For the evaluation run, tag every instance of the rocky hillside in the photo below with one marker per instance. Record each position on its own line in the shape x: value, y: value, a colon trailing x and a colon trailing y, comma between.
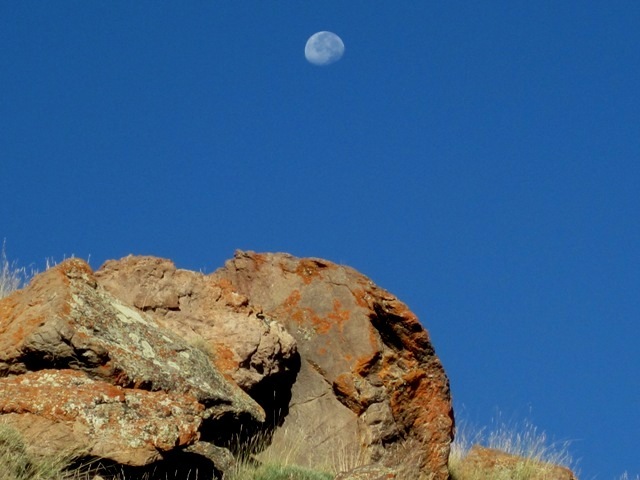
x: 141, y: 367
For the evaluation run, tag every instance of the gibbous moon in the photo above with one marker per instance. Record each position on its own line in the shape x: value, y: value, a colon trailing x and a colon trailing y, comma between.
x: 324, y: 48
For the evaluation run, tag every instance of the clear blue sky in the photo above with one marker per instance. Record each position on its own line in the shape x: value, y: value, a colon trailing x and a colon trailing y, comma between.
x: 478, y: 159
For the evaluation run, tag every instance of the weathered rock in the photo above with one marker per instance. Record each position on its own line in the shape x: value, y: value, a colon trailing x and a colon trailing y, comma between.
x: 489, y: 463
x: 62, y: 320
x: 369, y: 380
x: 83, y: 371
x: 65, y: 411
x: 255, y: 351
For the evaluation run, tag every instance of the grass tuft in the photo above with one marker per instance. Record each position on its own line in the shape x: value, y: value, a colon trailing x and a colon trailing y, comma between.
x: 277, y: 472
x: 18, y: 464
x: 257, y: 462
x: 12, y: 278
x: 625, y: 476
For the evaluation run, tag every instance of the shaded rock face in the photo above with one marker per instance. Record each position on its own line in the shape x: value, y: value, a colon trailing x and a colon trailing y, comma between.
x: 369, y: 378
x: 110, y: 359
x: 488, y: 463
x: 256, y: 352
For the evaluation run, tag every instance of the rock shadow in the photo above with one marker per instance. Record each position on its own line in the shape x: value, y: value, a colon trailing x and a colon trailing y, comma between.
x: 243, y: 436
x: 182, y: 465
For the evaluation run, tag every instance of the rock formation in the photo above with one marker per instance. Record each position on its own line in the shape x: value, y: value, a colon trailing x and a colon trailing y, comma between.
x: 142, y: 365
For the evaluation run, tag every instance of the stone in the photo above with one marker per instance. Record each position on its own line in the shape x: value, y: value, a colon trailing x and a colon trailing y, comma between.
x: 487, y: 463
x: 85, y: 370
x: 66, y: 411
x: 256, y: 352
x: 369, y: 379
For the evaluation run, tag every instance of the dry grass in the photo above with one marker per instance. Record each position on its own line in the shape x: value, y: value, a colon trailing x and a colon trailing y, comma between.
x: 200, y: 343
x: 256, y: 462
x: 12, y: 278
x: 625, y: 476
x: 18, y: 464
x: 523, y: 440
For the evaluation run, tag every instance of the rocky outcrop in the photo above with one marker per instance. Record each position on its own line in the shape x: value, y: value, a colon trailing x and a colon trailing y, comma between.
x: 369, y: 380
x: 110, y: 358
x: 483, y: 462
x: 141, y: 362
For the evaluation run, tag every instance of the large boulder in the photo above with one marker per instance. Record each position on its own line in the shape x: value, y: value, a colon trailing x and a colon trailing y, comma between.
x: 63, y: 321
x: 257, y: 353
x: 370, y: 385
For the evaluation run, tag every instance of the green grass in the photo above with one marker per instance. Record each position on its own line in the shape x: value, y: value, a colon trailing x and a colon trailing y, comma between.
x: 277, y: 472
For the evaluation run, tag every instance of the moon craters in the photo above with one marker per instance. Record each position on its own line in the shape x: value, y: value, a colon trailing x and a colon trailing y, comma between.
x: 324, y: 48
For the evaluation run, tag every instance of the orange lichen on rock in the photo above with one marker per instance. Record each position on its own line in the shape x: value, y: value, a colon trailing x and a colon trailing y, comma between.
x: 82, y: 369
x: 68, y: 400
x: 249, y: 347
x: 224, y: 358
x: 310, y: 268
x: 339, y: 316
x: 292, y: 300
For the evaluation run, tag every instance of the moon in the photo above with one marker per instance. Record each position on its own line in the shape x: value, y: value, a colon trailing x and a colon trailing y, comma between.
x: 324, y: 48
